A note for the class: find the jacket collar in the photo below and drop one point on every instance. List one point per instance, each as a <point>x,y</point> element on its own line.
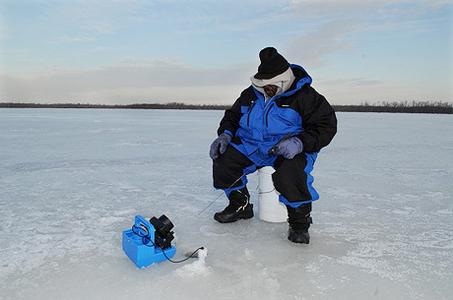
<point>289,82</point>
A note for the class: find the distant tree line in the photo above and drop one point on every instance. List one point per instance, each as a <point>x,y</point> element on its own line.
<point>172,105</point>
<point>400,107</point>
<point>391,107</point>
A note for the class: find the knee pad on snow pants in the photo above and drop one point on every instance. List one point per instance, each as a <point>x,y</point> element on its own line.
<point>292,181</point>
<point>228,168</point>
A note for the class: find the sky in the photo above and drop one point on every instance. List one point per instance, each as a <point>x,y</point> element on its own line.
<point>204,52</point>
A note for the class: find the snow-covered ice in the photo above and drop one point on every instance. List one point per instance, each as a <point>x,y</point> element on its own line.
<point>72,180</point>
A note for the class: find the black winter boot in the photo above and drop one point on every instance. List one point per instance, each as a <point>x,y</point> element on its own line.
<point>239,207</point>
<point>299,221</point>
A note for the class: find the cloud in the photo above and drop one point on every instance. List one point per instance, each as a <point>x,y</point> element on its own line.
<point>131,82</point>
<point>101,16</point>
<point>354,81</point>
<point>314,47</point>
<point>76,39</point>
<point>167,81</point>
<point>3,30</point>
<point>360,7</point>
<point>344,21</point>
<point>333,7</point>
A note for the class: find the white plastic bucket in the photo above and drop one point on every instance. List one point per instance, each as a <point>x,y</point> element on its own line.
<point>270,208</point>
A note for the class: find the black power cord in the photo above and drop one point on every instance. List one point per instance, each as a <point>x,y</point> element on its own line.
<point>146,240</point>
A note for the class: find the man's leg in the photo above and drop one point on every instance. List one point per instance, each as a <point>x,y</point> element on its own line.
<point>299,221</point>
<point>229,172</point>
<point>293,181</point>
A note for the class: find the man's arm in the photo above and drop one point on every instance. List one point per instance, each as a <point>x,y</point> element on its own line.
<point>319,121</point>
<point>232,116</point>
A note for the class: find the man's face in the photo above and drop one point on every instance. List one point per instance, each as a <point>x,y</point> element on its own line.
<point>270,90</point>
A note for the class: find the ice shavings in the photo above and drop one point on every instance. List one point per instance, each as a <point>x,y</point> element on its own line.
<point>196,268</point>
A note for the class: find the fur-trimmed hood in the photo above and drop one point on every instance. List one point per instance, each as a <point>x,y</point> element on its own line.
<point>283,81</point>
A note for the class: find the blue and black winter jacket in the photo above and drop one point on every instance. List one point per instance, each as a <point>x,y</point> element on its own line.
<point>256,125</point>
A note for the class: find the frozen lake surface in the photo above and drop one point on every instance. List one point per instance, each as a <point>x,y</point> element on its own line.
<point>72,180</point>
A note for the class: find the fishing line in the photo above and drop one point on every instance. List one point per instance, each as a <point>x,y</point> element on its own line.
<point>212,202</point>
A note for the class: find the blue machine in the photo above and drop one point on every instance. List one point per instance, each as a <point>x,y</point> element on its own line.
<point>139,244</point>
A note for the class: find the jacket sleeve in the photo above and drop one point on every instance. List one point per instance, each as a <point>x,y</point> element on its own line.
<point>232,116</point>
<point>319,122</point>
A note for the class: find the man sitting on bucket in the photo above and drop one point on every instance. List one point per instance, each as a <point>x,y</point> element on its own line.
<point>279,121</point>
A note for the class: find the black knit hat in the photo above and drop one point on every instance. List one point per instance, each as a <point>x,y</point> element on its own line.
<point>272,64</point>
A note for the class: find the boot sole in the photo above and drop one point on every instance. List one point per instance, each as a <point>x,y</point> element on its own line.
<point>299,241</point>
<point>239,217</point>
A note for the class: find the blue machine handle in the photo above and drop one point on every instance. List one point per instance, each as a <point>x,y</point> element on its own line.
<point>144,227</point>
